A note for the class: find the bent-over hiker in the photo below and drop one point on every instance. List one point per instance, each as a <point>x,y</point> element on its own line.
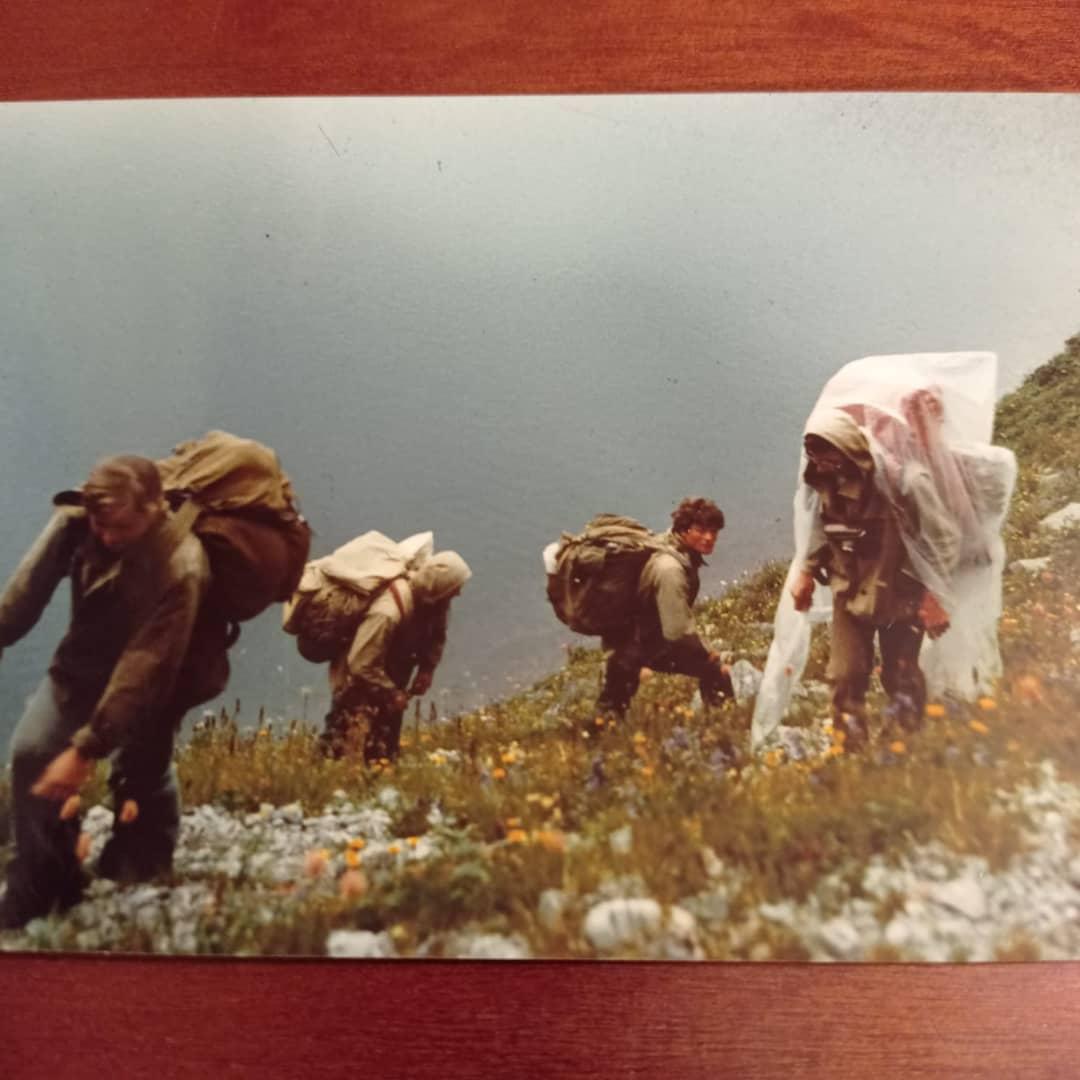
<point>662,634</point>
<point>858,548</point>
<point>137,654</point>
<point>404,630</point>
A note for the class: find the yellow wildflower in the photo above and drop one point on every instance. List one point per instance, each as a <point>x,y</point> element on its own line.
<point>498,774</point>
<point>517,836</point>
<point>412,841</point>
<point>352,859</point>
<point>357,843</point>
<point>987,704</point>
<point>935,710</point>
<point>550,840</point>
<point>393,849</point>
<point>647,771</point>
<point>773,758</point>
<point>509,757</point>
<point>640,737</point>
<point>513,823</point>
<point>599,721</point>
<point>898,747</point>
<point>978,727</point>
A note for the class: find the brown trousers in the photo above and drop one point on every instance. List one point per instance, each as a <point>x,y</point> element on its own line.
<point>851,663</point>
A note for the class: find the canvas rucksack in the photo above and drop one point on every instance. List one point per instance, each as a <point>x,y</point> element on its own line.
<point>593,576</point>
<point>233,495</point>
<point>337,590</point>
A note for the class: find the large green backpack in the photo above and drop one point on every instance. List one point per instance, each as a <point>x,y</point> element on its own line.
<point>234,496</point>
<point>594,585</point>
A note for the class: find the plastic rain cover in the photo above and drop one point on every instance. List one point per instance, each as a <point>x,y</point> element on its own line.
<point>927,420</point>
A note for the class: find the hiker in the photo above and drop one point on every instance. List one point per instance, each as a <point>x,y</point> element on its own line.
<point>898,511</point>
<point>135,657</point>
<point>859,549</point>
<point>660,634</point>
<point>392,656</point>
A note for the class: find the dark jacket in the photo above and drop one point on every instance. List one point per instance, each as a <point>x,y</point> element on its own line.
<point>125,657</point>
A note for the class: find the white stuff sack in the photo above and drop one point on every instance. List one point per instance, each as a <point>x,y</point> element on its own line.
<point>372,558</point>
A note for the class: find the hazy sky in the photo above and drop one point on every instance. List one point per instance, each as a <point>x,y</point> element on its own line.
<point>494,317</point>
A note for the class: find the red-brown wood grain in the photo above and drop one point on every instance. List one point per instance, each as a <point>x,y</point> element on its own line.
<point>117,1017</point>
<point>130,48</point>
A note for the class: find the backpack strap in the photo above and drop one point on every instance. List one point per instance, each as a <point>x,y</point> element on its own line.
<point>395,593</point>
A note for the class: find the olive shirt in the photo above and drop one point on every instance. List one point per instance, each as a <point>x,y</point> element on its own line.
<point>132,617</point>
<point>397,624</point>
<point>669,585</point>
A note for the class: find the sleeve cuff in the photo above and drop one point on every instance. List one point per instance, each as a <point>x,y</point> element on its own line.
<point>87,741</point>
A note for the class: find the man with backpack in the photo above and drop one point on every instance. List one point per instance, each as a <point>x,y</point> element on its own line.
<point>402,631</point>
<point>660,634</point>
<point>887,545</point>
<point>119,683</point>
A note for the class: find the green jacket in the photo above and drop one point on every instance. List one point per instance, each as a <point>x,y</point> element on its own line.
<point>132,618</point>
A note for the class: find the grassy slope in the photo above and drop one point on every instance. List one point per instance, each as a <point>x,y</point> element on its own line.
<point>533,787</point>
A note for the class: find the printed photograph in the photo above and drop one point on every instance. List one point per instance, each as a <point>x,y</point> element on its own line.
<point>615,527</point>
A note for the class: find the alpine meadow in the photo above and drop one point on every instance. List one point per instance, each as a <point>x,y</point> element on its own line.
<point>531,827</point>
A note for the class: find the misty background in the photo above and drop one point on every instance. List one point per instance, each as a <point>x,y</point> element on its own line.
<point>495,317</point>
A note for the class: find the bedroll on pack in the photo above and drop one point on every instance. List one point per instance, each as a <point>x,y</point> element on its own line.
<point>593,576</point>
<point>336,591</point>
<point>238,502</point>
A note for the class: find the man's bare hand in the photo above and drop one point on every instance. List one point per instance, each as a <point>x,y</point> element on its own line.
<point>802,591</point>
<point>717,658</point>
<point>933,616</point>
<point>399,699</point>
<point>63,776</point>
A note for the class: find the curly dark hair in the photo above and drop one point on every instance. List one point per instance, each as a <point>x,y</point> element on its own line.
<point>696,511</point>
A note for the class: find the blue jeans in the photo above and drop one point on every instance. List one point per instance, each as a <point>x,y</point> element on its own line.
<point>45,871</point>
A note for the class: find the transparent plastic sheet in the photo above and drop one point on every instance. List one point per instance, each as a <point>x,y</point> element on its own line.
<point>926,421</point>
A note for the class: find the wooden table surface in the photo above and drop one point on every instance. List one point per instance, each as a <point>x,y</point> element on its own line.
<point>116,1017</point>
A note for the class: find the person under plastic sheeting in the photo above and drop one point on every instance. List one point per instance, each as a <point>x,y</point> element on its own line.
<point>899,511</point>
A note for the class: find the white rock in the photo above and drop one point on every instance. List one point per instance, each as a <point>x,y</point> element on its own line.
<point>621,841</point>
<point>712,864</point>
<point>1029,566</point>
<point>964,895</point>
<point>550,909</point>
<point>1063,518</point>
<point>840,938</point>
<point>389,798</point>
<point>359,945</point>
<point>745,680</point>
<point>784,912</point>
<point>616,926</point>
<point>492,947</point>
